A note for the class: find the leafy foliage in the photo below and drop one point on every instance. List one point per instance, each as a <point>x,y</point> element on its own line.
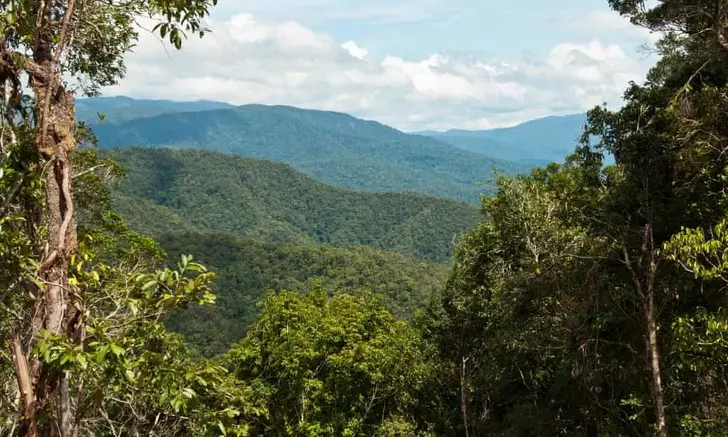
<point>248,269</point>
<point>592,303</point>
<point>273,203</point>
<point>588,301</point>
<point>338,366</point>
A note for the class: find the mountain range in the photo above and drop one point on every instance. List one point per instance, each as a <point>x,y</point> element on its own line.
<point>535,142</point>
<point>334,147</point>
<point>119,109</point>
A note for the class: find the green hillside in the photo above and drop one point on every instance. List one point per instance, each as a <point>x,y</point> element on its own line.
<point>332,147</point>
<point>172,190</point>
<point>261,225</point>
<point>248,268</point>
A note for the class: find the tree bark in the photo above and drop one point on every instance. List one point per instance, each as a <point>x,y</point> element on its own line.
<point>653,354</point>
<point>464,397</point>
<point>28,425</point>
<point>644,284</point>
<point>58,125</point>
<point>55,140</point>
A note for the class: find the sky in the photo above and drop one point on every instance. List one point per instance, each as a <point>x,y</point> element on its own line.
<point>411,64</point>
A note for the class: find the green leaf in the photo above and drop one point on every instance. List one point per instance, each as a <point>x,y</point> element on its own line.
<point>81,360</point>
<point>116,349</point>
<point>149,285</point>
<point>101,353</point>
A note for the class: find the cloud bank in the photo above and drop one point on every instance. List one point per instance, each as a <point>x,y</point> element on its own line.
<point>248,60</point>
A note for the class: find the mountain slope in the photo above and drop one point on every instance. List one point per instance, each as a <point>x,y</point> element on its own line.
<point>170,190</point>
<point>544,140</point>
<point>333,147</point>
<point>247,269</point>
<point>120,109</point>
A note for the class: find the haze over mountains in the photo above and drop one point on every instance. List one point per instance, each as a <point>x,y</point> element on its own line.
<point>334,147</point>
<point>538,142</point>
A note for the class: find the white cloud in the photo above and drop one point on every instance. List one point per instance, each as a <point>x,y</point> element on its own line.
<point>607,22</point>
<point>247,60</point>
<point>354,50</point>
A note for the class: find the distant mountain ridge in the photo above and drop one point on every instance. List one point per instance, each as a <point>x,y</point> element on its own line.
<point>531,143</point>
<point>121,108</point>
<point>333,147</point>
<point>540,141</point>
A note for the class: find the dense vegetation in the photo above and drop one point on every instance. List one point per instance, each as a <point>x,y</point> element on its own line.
<point>588,301</point>
<point>272,202</point>
<point>247,269</point>
<point>332,147</point>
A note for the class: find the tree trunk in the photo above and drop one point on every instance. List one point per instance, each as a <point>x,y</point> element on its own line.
<point>28,425</point>
<point>55,140</point>
<point>653,355</point>
<point>644,284</point>
<point>464,397</point>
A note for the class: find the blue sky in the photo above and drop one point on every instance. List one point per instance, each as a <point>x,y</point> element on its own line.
<point>414,29</point>
<point>413,64</point>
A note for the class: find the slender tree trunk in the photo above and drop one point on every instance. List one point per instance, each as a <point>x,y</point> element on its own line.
<point>28,425</point>
<point>644,285</point>
<point>464,397</point>
<point>653,354</point>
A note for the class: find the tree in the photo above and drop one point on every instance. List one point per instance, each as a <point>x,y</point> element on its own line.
<point>331,366</point>
<point>51,42</point>
<point>670,141</point>
<point>701,19</point>
<point>517,321</point>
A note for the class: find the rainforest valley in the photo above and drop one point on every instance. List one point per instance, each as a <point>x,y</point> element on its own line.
<point>202,269</point>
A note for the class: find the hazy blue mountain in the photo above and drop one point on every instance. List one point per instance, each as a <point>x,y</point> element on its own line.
<point>333,147</point>
<point>120,108</point>
<point>539,141</point>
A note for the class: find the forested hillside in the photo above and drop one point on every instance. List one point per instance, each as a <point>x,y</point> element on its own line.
<point>165,190</point>
<point>332,147</point>
<point>248,269</point>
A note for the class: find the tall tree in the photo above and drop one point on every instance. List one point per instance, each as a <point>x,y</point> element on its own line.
<point>52,42</point>
<point>332,366</point>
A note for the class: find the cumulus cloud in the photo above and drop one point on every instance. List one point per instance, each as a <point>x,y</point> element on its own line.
<point>605,22</point>
<point>248,60</point>
<point>354,50</point>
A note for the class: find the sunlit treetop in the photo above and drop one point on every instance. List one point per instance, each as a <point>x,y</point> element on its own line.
<point>685,17</point>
